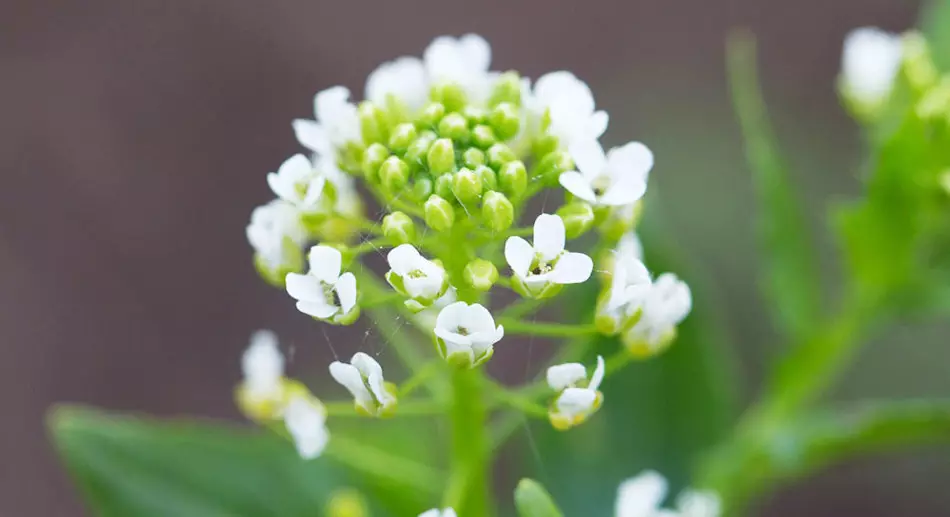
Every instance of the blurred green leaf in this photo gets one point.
(935, 22)
(790, 279)
(532, 500)
(132, 466)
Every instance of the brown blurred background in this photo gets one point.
(135, 135)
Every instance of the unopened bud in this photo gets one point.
(553, 164)
(347, 503)
(443, 186)
(918, 62)
(500, 154)
(416, 153)
(483, 136)
(422, 188)
(473, 157)
(454, 126)
(475, 115)
(505, 120)
(441, 157)
(393, 174)
(466, 185)
(373, 124)
(497, 211)
(488, 177)
(513, 178)
(398, 228)
(373, 158)
(507, 89)
(451, 95)
(481, 274)
(439, 213)
(578, 218)
(402, 137)
(432, 114)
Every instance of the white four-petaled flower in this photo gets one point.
(298, 182)
(466, 333)
(630, 283)
(540, 268)
(363, 377)
(324, 293)
(869, 63)
(463, 61)
(263, 392)
(336, 124)
(276, 233)
(664, 306)
(641, 496)
(568, 105)
(305, 419)
(403, 80)
(578, 397)
(435, 512)
(422, 280)
(615, 179)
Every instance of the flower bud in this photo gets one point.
(507, 89)
(441, 157)
(505, 120)
(553, 164)
(416, 153)
(398, 228)
(497, 211)
(500, 154)
(483, 136)
(347, 503)
(439, 213)
(467, 186)
(475, 115)
(620, 220)
(432, 114)
(918, 62)
(481, 274)
(393, 174)
(451, 95)
(513, 178)
(488, 177)
(473, 157)
(373, 158)
(422, 188)
(443, 186)
(578, 218)
(402, 137)
(373, 124)
(454, 126)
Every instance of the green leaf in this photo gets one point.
(532, 500)
(791, 280)
(135, 466)
(935, 22)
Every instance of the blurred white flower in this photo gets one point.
(578, 398)
(323, 292)
(615, 179)
(463, 61)
(263, 368)
(403, 79)
(298, 182)
(435, 512)
(666, 304)
(466, 333)
(568, 104)
(870, 61)
(422, 280)
(540, 268)
(363, 377)
(276, 233)
(336, 122)
(305, 419)
(641, 496)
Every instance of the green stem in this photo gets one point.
(468, 487)
(513, 326)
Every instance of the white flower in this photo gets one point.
(666, 304)
(435, 512)
(630, 283)
(466, 333)
(569, 106)
(615, 179)
(578, 397)
(363, 377)
(629, 247)
(427, 317)
(422, 280)
(276, 233)
(541, 268)
(642, 496)
(263, 367)
(348, 202)
(463, 61)
(305, 419)
(336, 124)
(869, 63)
(403, 79)
(298, 182)
(323, 292)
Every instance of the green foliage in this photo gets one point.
(532, 500)
(935, 22)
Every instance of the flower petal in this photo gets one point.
(519, 254)
(575, 183)
(640, 496)
(561, 376)
(451, 316)
(306, 423)
(589, 157)
(345, 289)
(318, 309)
(263, 364)
(576, 401)
(572, 268)
(598, 375)
(349, 377)
(304, 287)
(325, 263)
(404, 259)
(596, 125)
(312, 135)
(548, 236)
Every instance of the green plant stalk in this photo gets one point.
(468, 490)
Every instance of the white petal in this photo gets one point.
(326, 102)
(263, 364)
(451, 316)
(305, 422)
(572, 268)
(373, 372)
(403, 78)
(318, 309)
(598, 375)
(576, 401)
(304, 287)
(325, 263)
(629, 246)
(350, 377)
(634, 157)
(345, 289)
(871, 59)
(565, 375)
(596, 125)
(458, 340)
(624, 190)
(312, 135)
(589, 157)
(578, 185)
(280, 188)
(478, 319)
(698, 503)
(314, 192)
(548, 236)
(404, 258)
(640, 496)
(519, 255)
(476, 51)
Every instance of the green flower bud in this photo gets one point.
(441, 157)
(481, 274)
(393, 174)
(398, 228)
(373, 158)
(373, 124)
(466, 185)
(416, 153)
(544, 144)
(347, 503)
(402, 137)
(497, 211)
(473, 157)
(500, 154)
(513, 178)
(507, 89)
(432, 114)
(505, 120)
(578, 217)
(475, 115)
(483, 136)
(443, 186)
(918, 62)
(439, 213)
(488, 177)
(422, 188)
(350, 158)
(451, 95)
(454, 126)
(553, 164)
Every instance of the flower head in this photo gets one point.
(276, 232)
(567, 105)
(578, 398)
(262, 393)
(461, 61)
(542, 267)
(870, 61)
(641, 496)
(336, 124)
(363, 377)
(630, 283)
(324, 293)
(666, 304)
(305, 418)
(402, 80)
(615, 179)
(466, 333)
(435, 512)
(422, 280)
(298, 182)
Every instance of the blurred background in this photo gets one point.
(135, 136)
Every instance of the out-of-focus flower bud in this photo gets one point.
(481, 274)
(398, 228)
(513, 178)
(500, 154)
(507, 89)
(498, 211)
(393, 174)
(402, 137)
(483, 136)
(578, 218)
(467, 186)
(441, 157)
(553, 164)
(451, 95)
(505, 120)
(487, 176)
(373, 124)
(432, 114)
(454, 126)
(373, 158)
(439, 213)
(473, 157)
